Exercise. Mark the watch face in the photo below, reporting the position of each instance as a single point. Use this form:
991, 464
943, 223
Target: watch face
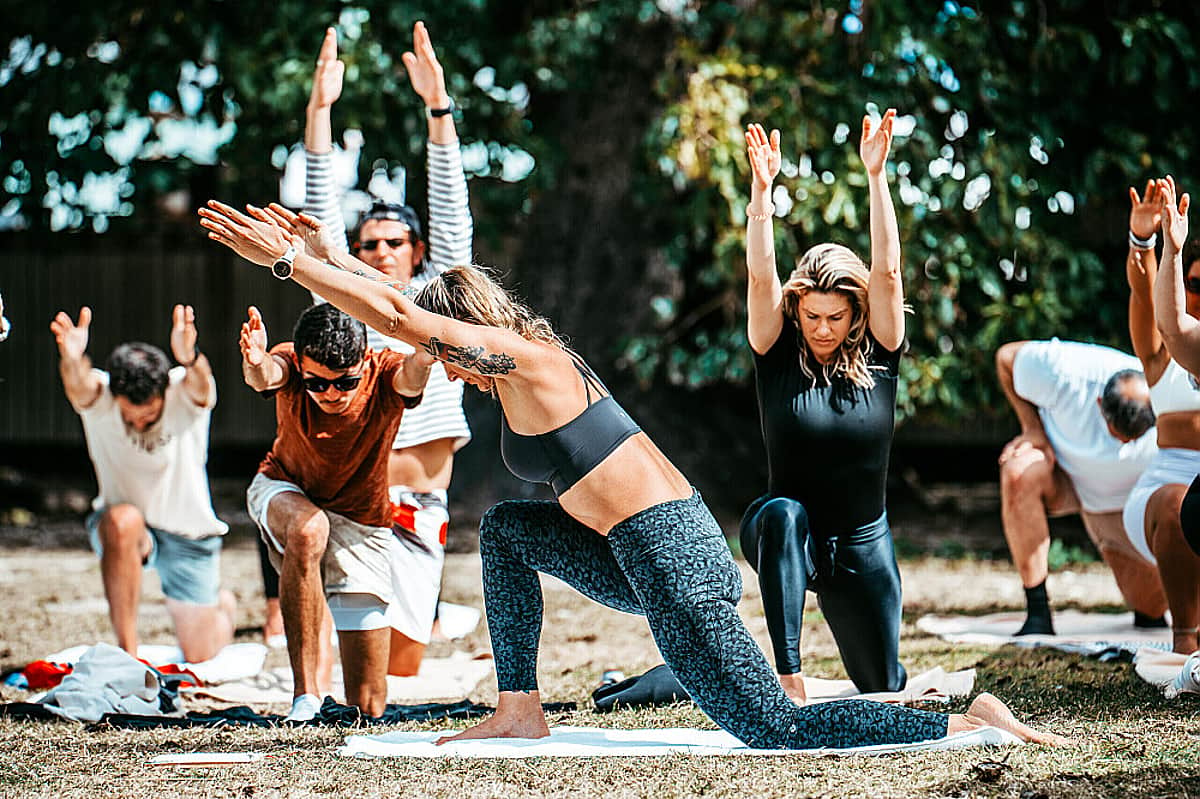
282, 269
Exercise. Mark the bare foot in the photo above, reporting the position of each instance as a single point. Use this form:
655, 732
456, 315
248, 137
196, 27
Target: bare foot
793, 686
518, 715
988, 711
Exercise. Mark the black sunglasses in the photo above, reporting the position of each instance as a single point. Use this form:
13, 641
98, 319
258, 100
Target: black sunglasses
319, 385
370, 245
1192, 284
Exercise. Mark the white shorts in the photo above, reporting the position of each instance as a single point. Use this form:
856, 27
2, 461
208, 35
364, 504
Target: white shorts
416, 560
356, 559
1169, 467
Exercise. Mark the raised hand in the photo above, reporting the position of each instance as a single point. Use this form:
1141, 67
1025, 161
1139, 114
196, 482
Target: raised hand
258, 241
424, 70
183, 334
764, 155
876, 142
1174, 214
1145, 212
253, 340
319, 242
72, 338
328, 75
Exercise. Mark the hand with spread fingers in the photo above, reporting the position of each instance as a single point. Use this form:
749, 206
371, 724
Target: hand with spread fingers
318, 241
765, 157
253, 340
876, 142
1174, 214
1145, 211
257, 237
72, 337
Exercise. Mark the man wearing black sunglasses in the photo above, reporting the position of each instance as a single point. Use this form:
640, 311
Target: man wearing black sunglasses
389, 238
320, 498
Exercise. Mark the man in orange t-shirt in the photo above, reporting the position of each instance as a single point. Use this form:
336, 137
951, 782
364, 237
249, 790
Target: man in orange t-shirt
320, 498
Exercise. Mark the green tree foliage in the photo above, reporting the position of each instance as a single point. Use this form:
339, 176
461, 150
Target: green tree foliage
1024, 123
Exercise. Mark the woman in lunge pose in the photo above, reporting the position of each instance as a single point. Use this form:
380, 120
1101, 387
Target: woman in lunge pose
627, 529
827, 350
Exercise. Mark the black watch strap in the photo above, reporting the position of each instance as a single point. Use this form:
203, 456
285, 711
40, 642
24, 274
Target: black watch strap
441, 112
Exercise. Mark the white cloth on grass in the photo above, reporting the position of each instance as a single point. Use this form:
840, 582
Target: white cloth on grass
106, 679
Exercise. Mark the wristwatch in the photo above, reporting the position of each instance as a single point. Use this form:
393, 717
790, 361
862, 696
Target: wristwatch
282, 268
441, 112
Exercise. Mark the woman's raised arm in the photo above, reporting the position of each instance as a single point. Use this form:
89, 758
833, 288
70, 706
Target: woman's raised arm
1179, 330
764, 294
885, 288
366, 294
1145, 215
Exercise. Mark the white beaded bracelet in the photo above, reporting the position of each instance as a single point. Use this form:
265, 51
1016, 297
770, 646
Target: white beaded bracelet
768, 211
1143, 244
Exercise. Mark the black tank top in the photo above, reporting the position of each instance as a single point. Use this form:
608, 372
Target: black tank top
827, 445
562, 456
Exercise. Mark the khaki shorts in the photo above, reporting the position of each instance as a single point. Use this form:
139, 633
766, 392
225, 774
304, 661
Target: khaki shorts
357, 558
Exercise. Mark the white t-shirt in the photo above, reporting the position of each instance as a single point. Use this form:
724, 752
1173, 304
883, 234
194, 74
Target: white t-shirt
160, 471
1064, 379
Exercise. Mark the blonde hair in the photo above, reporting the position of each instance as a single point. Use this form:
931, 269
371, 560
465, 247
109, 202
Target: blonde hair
833, 269
470, 294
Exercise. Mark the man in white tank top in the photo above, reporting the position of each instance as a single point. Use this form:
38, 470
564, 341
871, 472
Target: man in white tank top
1085, 414
146, 426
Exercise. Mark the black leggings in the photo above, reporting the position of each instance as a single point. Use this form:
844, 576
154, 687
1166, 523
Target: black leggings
269, 575
671, 564
1189, 516
854, 576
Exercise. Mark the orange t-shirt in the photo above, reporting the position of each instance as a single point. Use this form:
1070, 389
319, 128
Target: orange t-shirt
339, 460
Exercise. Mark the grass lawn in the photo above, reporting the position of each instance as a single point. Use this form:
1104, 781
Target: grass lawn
1130, 742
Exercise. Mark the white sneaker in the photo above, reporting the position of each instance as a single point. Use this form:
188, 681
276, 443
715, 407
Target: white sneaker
1188, 679
304, 708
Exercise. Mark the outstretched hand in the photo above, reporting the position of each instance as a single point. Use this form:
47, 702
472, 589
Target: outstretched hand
328, 75
424, 70
764, 154
183, 334
1174, 214
259, 241
876, 142
253, 340
1145, 212
71, 337
317, 239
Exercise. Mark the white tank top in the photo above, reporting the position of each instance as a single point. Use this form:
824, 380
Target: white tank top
1175, 391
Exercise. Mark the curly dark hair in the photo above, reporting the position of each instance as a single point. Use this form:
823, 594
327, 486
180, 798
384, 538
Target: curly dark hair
330, 337
138, 372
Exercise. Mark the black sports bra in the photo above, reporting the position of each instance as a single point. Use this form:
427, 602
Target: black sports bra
561, 457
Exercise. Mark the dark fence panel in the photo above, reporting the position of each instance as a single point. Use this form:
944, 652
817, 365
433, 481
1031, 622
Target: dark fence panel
131, 296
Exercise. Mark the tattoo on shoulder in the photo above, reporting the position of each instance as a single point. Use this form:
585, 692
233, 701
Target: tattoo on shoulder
473, 358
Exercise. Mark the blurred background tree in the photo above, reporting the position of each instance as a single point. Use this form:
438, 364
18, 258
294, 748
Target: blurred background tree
609, 178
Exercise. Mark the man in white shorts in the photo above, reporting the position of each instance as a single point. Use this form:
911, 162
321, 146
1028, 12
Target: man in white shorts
146, 426
320, 496
388, 237
1086, 436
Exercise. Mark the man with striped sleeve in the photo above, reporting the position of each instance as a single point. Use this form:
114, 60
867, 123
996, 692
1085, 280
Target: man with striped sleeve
388, 237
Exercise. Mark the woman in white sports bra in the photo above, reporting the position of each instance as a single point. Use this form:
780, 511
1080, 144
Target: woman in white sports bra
1152, 511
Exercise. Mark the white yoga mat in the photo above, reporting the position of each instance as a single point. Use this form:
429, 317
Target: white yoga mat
234, 662
599, 742
935, 685
1071, 626
439, 678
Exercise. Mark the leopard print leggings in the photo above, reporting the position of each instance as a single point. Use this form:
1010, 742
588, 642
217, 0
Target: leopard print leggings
671, 564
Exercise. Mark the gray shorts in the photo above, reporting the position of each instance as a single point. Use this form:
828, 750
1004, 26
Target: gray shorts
357, 558
189, 568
